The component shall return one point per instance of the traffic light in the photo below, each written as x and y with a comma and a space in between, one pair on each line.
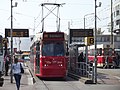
89, 40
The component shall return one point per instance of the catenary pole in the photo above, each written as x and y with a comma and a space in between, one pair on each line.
112, 41
11, 41
95, 39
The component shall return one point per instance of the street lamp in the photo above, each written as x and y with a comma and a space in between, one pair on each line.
95, 43
112, 37
86, 47
85, 18
11, 31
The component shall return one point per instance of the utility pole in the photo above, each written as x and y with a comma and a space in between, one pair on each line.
86, 47
11, 41
95, 59
95, 43
112, 41
11, 31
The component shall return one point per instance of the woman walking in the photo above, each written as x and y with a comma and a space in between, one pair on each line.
16, 69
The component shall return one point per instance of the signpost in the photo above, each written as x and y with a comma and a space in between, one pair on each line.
78, 35
89, 41
17, 33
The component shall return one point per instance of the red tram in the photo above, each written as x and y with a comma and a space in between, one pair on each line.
104, 52
48, 55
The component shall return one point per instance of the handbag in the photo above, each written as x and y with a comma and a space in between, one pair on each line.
21, 68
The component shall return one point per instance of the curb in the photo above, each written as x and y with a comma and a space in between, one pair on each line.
1, 82
82, 79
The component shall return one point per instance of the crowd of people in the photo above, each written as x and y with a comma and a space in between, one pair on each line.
116, 60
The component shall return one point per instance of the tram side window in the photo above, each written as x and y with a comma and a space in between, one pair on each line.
92, 52
99, 51
108, 51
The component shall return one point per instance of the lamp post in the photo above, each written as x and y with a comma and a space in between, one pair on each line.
112, 37
85, 18
86, 47
11, 31
95, 43
95, 60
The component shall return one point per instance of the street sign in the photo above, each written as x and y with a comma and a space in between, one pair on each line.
89, 40
17, 33
78, 35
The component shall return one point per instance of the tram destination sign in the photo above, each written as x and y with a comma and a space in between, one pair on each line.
52, 35
78, 35
17, 33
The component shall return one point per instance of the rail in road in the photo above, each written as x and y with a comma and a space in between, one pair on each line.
73, 84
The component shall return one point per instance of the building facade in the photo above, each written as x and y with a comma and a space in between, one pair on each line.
116, 14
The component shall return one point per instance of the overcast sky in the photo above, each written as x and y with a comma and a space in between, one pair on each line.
28, 14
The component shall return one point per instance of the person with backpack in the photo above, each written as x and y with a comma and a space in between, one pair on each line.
16, 69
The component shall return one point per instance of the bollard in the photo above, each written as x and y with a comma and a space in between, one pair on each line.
1, 82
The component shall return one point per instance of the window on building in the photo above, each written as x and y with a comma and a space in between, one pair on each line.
118, 39
118, 22
114, 14
117, 12
99, 39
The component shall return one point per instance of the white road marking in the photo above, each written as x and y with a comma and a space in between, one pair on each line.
117, 78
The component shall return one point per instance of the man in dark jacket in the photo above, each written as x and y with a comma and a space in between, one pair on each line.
7, 62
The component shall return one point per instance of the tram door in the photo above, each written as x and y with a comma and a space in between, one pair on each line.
38, 58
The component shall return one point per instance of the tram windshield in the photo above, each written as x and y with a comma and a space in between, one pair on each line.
53, 49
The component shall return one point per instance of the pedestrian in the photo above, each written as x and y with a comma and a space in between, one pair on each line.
81, 63
117, 57
7, 62
81, 57
106, 62
16, 69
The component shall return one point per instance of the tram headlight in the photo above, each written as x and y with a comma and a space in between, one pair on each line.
61, 65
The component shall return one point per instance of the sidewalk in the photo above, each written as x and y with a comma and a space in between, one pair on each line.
26, 82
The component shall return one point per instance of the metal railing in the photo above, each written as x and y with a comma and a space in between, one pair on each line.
81, 69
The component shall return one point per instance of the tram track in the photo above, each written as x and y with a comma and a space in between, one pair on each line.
51, 84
